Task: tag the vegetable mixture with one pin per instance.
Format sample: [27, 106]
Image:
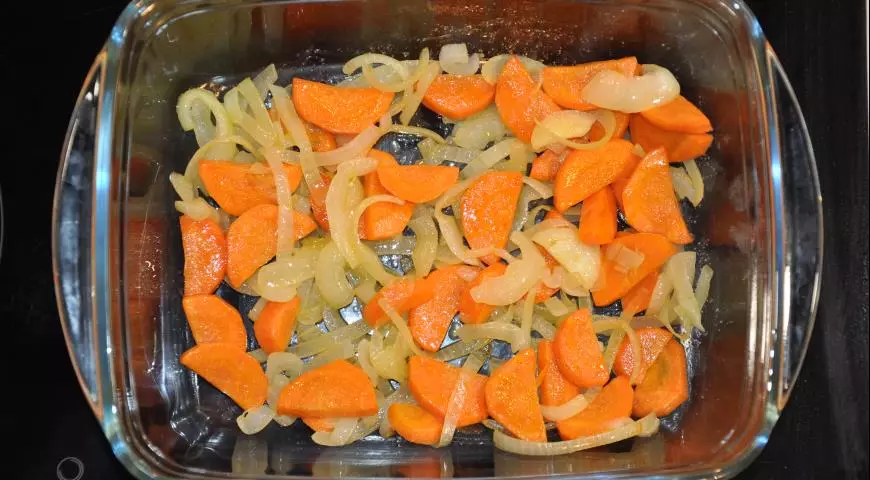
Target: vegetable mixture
[557, 191]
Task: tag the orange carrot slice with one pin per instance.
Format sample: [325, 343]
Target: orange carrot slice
[274, 327]
[680, 146]
[252, 241]
[417, 183]
[415, 424]
[598, 218]
[429, 322]
[230, 370]
[618, 187]
[383, 220]
[402, 295]
[614, 281]
[612, 403]
[471, 312]
[649, 200]
[212, 320]
[555, 388]
[321, 140]
[680, 115]
[337, 389]
[458, 96]
[512, 397]
[545, 166]
[588, 171]
[432, 381]
[337, 109]
[665, 385]
[318, 201]
[238, 187]
[640, 295]
[565, 84]
[545, 292]
[319, 424]
[597, 130]
[520, 103]
[577, 353]
[652, 342]
[487, 210]
[205, 255]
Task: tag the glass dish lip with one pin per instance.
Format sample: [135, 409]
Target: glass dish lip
[113, 58]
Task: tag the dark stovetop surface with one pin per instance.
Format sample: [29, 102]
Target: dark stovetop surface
[823, 433]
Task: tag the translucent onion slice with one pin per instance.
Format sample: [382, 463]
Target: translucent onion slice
[697, 181]
[449, 230]
[479, 130]
[578, 258]
[398, 245]
[426, 246]
[566, 410]
[253, 420]
[632, 94]
[454, 408]
[683, 186]
[186, 105]
[645, 427]
[435, 154]
[521, 216]
[283, 363]
[366, 257]
[418, 131]
[492, 67]
[544, 190]
[702, 287]
[401, 395]
[556, 307]
[391, 362]
[342, 350]
[415, 98]
[182, 186]
[461, 348]
[254, 312]
[267, 77]
[336, 206]
[197, 209]
[545, 328]
[560, 126]
[285, 233]
[680, 268]
[401, 326]
[519, 158]
[488, 158]
[259, 355]
[363, 355]
[661, 292]
[455, 60]
[330, 279]
[359, 61]
[506, 332]
[259, 125]
[339, 436]
[526, 313]
[519, 277]
[556, 139]
[376, 79]
[350, 333]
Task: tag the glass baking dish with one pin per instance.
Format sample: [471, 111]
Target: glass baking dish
[117, 249]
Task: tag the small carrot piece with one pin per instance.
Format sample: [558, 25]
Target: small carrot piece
[665, 385]
[597, 130]
[402, 295]
[612, 403]
[429, 321]
[213, 320]
[337, 389]
[640, 295]
[520, 103]
[205, 255]
[680, 115]
[512, 397]
[231, 370]
[545, 292]
[588, 171]
[680, 146]
[337, 109]
[431, 383]
[618, 187]
[652, 342]
[252, 240]
[417, 183]
[578, 356]
[545, 166]
[487, 210]
[274, 327]
[553, 214]
[321, 140]
[555, 388]
[471, 312]
[318, 201]
[457, 97]
[565, 84]
[598, 218]
[237, 187]
[415, 424]
[319, 424]
[383, 220]
[650, 202]
[615, 282]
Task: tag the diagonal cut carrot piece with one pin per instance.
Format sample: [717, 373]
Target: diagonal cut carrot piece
[588, 171]
[615, 282]
[520, 103]
[429, 322]
[205, 255]
[337, 389]
[417, 183]
[230, 370]
[680, 115]
[458, 96]
[487, 210]
[565, 84]
[238, 187]
[652, 342]
[383, 220]
[274, 327]
[213, 320]
[665, 385]
[577, 352]
[555, 388]
[512, 397]
[431, 383]
[680, 146]
[650, 202]
[612, 403]
[337, 109]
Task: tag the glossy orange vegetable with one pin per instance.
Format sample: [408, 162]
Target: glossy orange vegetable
[512, 397]
[665, 385]
[588, 171]
[458, 96]
[614, 402]
[339, 109]
[565, 84]
[650, 202]
[213, 320]
[520, 103]
[614, 282]
[337, 389]
[432, 382]
[205, 255]
[230, 370]
[487, 210]
[577, 352]
[238, 187]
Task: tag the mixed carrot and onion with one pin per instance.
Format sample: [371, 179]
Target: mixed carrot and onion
[511, 225]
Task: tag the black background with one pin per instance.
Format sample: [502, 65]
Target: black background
[47, 50]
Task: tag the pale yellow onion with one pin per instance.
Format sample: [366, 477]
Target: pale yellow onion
[572, 284]
[519, 277]
[547, 224]
[397, 245]
[449, 230]
[401, 326]
[253, 420]
[246, 158]
[197, 209]
[259, 126]
[418, 131]
[519, 158]
[526, 313]
[332, 319]
[697, 181]
[356, 148]
[660, 294]
[330, 279]
[336, 205]
[645, 427]
[578, 258]
[488, 158]
[259, 355]
[359, 61]
[365, 291]
[285, 233]
[287, 113]
[455, 60]
[702, 286]
[363, 355]
[436, 154]
[350, 333]
[375, 77]
[416, 97]
[544, 190]
[401, 395]
[506, 332]
[185, 105]
[364, 255]
[276, 384]
[479, 130]
[680, 268]
[492, 67]
[391, 362]
[625, 259]
[426, 246]
[556, 307]
[545, 328]
[277, 281]
[283, 363]
[342, 350]
[254, 312]
[682, 183]
[182, 186]
[631, 94]
[521, 216]
[340, 435]
[561, 125]
[265, 78]
[553, 278]
[461, 348]
[566, 410]
[604, 117]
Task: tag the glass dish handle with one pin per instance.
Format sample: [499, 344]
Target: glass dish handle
[800, 221]
[72, 245]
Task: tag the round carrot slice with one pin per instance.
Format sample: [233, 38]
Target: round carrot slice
[487, 210]
[230, 370]
[458, 96]
[205, 255]
[512, 397]
[577, 352]
[337, 389]
[665, 385]
[432, 381]
[649, 200]
[612, 403]
[274, 327]
[213, 320]
[337, 109]
[415, 424]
